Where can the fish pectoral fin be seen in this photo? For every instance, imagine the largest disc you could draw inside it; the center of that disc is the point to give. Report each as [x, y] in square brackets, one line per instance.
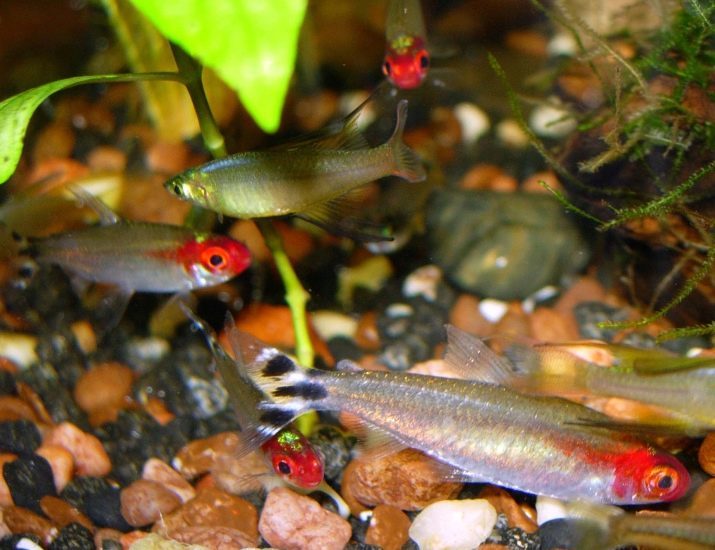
[110, 308]
[106, 215]
[336, 216]
[449, 473]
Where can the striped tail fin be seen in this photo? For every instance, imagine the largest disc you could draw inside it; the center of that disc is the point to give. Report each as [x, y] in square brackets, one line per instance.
[291, 388]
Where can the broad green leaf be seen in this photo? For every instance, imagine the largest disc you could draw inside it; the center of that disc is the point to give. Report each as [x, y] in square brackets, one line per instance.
[251, 44]
[16, 111]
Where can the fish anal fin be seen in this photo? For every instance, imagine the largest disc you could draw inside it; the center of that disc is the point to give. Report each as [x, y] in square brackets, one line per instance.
[336, 216]
[111, 307]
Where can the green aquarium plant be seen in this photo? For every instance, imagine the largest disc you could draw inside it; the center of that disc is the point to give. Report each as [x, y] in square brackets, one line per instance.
[640, 165]
[251, 44]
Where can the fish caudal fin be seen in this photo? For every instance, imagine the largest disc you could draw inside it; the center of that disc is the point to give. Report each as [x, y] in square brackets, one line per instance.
[290, 388]
[407, 164]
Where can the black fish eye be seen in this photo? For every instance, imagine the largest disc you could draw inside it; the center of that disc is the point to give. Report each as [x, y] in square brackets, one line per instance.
[284, 467]
[216, 260]
[177, 189]
[665, 482]
[387, 68]
[424, 61]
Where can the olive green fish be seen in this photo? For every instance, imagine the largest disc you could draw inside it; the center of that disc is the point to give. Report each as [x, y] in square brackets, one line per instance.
[311, 178]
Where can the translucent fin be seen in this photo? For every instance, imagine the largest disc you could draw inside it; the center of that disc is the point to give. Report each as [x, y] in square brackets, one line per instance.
[111, 308]
[336, 216]
[470, 357]
[346, 365]
[344, 134]
[407, 164]
[106, 215]
[679, 427]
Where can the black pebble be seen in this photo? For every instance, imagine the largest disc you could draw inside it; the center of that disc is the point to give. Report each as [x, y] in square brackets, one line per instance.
[571, 534]
[73, 537]
[19, 437]
[7, 383]
[29, 478]
[81, 487]
[10, 542]
[104, 509]
[334, 447]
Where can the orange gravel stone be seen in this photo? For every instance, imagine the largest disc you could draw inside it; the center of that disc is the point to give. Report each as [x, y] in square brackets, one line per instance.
[296, 522]
[61, 462]
[213, 538]
[549, 325]
[104, 386]
[89, 455]
[5, 497]
[159, 471]
[144, 502]
[199, 456]
[388, 528]
[706, 454]
[14, 408]
[22, 520]
[61, 513]
[408, 480]
[504, 504]
[466, 316]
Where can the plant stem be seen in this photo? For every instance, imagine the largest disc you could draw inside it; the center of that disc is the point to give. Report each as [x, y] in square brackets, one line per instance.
[296, 297]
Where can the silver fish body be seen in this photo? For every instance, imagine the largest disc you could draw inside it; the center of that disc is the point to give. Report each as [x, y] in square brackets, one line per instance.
[485, 432]
[294, 180]
[135, 256]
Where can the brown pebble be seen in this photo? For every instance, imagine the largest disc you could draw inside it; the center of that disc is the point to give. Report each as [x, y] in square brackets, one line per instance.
[585, 289]
[61, 513]
[240, 475]
[85, 336]
[22, 520]
[446, 132]
[213, 508]
[144, 502]
[158, 410]
[481, 176]
[212, 537]
[199, 456]
[515, 322]
[550, 325]
[105, 533]
[389, 527]
[14, 408]
[526, 41]
[106, 158]
[273, 325]
[89, 455]
[61, 462]
[706, 454]
[159, 471]
[5, 496]
[295, 522]
[55, 140]
[367, 335]
[167, 158]
[504, 504]
[702, 504]
[408, 480]
[247, 232]
[465, 315]
[533, 184]
[297, 242]
[127, 539]
[104, 385]
[32, 398]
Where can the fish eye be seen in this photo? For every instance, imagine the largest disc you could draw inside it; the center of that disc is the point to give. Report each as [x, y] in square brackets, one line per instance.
[284, 467]
[424, 60]
[660, 480]
[215, 258]
[387, 68]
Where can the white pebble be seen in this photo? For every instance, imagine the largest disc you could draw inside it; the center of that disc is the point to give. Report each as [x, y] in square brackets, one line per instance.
[473, 121]
[423, 282]
[550, 121]
[19, 348]
[493, 310]
[562, 44]
[329, 324]
[453, 525]
[27, 544]
[548, 508]
[510, 133]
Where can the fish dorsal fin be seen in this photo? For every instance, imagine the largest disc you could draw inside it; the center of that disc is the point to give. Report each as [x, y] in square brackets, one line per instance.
[336, 216]
[345, 365]
[106, 215]
[472, 359]
[344, 134]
